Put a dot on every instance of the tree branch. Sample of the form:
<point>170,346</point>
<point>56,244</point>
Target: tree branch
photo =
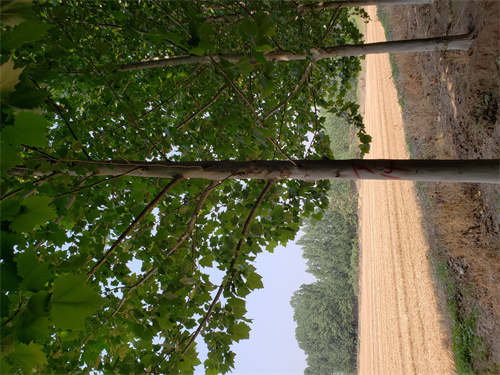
<point>131,227</point>
<point>202,109</point>
<point>58,109</point>
<point>194,217</point>
<point>294,91</point>
<point>96,183</point>
<point>252,108</point>
<point>233,263</point>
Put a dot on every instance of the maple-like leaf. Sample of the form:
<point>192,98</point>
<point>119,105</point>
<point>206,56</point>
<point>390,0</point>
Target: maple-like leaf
<point>9,77</point>
<point>73,301</point>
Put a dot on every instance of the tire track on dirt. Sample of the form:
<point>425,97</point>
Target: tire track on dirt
<point>400,330</point>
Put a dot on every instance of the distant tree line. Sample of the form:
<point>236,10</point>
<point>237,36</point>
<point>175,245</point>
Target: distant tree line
<point>326,311</point>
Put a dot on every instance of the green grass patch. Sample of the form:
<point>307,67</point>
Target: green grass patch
<point>466,345</point>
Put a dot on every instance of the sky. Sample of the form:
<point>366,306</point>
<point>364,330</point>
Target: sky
<point>272,348</point>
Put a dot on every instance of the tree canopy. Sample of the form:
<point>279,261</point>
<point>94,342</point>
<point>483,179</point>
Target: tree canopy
<point>112,273</point>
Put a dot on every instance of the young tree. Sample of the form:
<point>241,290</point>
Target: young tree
<point>110,273</point>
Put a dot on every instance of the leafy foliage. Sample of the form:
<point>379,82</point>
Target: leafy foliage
<point>112,274</point>
<point>326,310</point>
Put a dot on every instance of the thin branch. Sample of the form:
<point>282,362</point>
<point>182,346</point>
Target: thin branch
<point>39,182</point>
<point>21,305</point>
<point>194,217</point>
<point>8,195</point>
<point>129,289</point>
<point>165,101</point>
<point>202,109</point>
<point>172,18</point>
<point>292,93</point>
<point>131,227</point>
<point>95,183</point>
<point>59,110</point>
<point>252,108</point>
<point>233,263</point>
<point>316,123</point>
<point>34,149</point>
<point>332,21</point>
<point>184,204</point>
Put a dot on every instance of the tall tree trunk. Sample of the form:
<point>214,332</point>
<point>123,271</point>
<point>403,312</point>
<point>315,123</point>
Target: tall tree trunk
<point>445,43</point>
<point>306,170</point>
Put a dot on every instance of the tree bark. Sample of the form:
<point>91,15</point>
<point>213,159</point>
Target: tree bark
<point>445,43</point>
<point>306,170</point>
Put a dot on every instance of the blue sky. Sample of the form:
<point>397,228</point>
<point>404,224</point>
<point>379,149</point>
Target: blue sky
<point>272,348</point>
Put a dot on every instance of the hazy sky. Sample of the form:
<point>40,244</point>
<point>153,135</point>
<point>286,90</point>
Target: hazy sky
<point>272,348</point>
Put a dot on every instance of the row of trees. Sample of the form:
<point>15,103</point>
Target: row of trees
<point>326,311</point>
<point>70,234</point>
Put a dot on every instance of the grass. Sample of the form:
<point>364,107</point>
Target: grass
<point>466,345</point>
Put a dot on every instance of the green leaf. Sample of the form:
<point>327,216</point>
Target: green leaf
<point>27,31</point>
<point>197,51</point>
<point>15,12</point>
<point>29,357</point>
<point>35,274</point>
<point>241,331</point>
<point>9,208</point>
<point>35,211</point>
<point>260,137</point>
<point>254,281</point>
<point>245,66</point>
<point>29,129</point>
<point>5,368</point>
<point>27,97</point>
<point>9,158</point>
<point>263,48</point>
<point>9,77</point>
<point>73,301</point>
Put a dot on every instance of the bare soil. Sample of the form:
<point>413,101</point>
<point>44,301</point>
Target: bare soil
<point>451,110</point>
<point>400,325</point>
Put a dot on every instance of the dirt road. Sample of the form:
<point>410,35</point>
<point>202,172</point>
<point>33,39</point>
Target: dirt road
<point>400,329</point>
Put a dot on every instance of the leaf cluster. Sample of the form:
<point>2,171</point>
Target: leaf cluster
<point>94,275</point>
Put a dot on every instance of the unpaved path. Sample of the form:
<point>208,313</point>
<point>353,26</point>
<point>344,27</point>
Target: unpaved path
<point>400,323</point>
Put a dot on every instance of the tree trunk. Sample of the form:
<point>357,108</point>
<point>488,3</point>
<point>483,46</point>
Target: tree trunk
<point>445,43</point>
<point>306,170</point>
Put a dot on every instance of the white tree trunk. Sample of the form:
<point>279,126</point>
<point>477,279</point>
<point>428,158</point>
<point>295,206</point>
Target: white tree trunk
<point>306,170</point>
<point>445,43</point>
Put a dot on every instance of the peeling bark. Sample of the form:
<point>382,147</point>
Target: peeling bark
<point>306,170</point>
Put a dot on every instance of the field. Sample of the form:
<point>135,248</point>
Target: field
<point>400,325</point>
<point>449,105</point>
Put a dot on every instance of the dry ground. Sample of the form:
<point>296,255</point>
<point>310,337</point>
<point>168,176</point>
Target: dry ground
<point>400,325</point>
<point>451,110</point>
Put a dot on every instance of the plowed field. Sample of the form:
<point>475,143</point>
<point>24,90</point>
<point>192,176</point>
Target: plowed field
<point>400,323</point>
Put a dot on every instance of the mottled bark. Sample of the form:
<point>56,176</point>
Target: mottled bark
<point>306,170</point>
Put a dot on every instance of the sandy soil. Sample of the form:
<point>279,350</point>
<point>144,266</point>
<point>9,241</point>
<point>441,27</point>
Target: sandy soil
<point>400,324</point>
